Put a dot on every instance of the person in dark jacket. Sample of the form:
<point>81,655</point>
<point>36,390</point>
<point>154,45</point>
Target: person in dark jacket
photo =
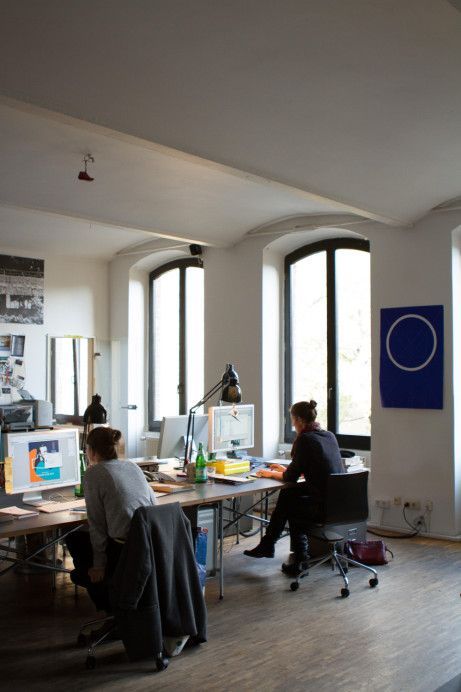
<point>156,590</point>
<point>315,455</point>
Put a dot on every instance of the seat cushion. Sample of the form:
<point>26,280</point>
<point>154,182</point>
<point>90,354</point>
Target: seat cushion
<point>323,533</point>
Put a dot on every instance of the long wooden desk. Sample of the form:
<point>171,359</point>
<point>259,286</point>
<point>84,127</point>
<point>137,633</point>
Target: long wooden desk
<point>61,523</point>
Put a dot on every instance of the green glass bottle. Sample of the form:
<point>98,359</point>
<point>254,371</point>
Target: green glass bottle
<point>79,488</point>
<point>201,471</point>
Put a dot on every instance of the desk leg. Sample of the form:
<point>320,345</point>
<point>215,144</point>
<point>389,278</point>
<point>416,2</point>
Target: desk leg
<point>261,510</point>
<point>237,524</point>
<point>221,549</point>
<point>53,553</point>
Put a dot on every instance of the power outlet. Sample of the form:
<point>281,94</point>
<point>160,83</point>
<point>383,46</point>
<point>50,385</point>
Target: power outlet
<point>412,504</point>
<point>383,504</point>
<point>420,523</point>
<point>397,501</point>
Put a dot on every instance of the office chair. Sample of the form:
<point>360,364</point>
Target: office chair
<point>156,594</point>
<point>346,502</point>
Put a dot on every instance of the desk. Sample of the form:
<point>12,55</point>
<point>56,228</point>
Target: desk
<point>62,523</point>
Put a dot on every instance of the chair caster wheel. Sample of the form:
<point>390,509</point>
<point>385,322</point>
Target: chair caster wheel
<point>294,586</point>
<point>373,582</point>
<point>161,663</point>
<point>90,662</point>
<point>344,593</point>
<point>81,640</point>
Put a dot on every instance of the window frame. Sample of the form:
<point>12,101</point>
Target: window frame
<point>360,442</point>
<point>182,265</point>
<point>74,418</point>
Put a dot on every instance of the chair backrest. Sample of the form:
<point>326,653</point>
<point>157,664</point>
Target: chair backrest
<point>346,498</point>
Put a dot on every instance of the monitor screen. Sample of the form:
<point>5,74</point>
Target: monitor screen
<point>231,427</point>
<point>173,431</point>
<point>43,460</point>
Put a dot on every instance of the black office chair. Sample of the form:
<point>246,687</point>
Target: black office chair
<point>346,503</point>
<point>150,611</point>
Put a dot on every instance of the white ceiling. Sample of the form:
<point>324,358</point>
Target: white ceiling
<point>22,230</point>
<point>357,102</point>
<point>137,185</point>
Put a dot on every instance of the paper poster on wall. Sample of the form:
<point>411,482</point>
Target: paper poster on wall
<point>21,289</point>
<point>411,363</point>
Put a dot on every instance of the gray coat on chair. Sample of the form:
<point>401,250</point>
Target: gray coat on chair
<point>156,590</point>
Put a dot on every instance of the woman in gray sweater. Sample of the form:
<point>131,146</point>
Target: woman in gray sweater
<point>113,490</point>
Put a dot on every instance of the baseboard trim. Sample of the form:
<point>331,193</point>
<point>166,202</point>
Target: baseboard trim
<point>423,534</point>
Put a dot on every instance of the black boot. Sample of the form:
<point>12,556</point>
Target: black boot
<point>296,564</point>
<point>264,549</point>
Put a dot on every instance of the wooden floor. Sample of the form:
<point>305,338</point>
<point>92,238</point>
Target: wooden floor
<point>405,635</point>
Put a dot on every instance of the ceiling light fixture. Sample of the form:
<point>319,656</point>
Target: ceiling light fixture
<point>83,175</point>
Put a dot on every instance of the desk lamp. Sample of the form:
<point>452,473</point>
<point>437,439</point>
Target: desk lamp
<point>230,393</point>
<point>95,414</point>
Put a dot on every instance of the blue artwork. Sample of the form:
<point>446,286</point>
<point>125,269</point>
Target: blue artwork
<point>411,366</point>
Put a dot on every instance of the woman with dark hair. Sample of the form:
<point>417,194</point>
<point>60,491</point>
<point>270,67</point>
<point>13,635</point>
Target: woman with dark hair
<point>113,491</point>
<point>315,455</point>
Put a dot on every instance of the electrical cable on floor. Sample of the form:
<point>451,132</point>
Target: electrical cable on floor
<point>416,531</point>
<point>394,535</point>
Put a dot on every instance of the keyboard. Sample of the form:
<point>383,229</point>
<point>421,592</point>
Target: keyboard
<point>61,506</point>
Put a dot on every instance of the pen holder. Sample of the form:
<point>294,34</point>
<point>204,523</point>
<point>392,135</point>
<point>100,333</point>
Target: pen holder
<point>190,470</point>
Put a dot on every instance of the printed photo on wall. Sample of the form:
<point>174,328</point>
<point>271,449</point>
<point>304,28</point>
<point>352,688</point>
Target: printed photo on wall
<point>5,346</point>
<point>21,289</point>
<point>411,363</point>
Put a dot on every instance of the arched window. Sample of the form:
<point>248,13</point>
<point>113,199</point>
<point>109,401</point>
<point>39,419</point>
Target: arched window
<point>176,339</point>
<point>327,336</point>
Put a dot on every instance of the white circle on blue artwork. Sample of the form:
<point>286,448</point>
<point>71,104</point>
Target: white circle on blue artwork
<point>426,362</point>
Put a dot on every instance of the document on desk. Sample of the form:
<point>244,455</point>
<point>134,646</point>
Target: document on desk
<point>232,480</point>
<point>282,462</point>
<point>19,513</point>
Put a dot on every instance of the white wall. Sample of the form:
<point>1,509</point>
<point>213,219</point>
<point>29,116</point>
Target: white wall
<point>415,453</point>
<point>412,453</point>
<point>233,320</point>
<point>129,301</point>
<point>76,302</point>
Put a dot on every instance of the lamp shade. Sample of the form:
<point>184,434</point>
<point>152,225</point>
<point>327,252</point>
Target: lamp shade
<point>231,391</point>
<point>95,412</point>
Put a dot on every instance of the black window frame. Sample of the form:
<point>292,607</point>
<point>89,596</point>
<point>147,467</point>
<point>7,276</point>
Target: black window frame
<point>182,265</point>
<point>360,442</point>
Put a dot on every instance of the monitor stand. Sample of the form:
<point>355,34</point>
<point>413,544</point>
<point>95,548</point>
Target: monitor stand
<point>33,498</point>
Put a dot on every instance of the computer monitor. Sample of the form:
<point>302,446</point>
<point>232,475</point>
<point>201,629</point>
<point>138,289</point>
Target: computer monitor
<point>42,460</point>
<point>173,431</point>
<point>231,427</point>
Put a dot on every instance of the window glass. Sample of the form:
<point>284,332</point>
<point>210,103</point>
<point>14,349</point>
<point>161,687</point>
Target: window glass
<point>165,306</point>
<point>82,375</point>
<point>328,354</point>
<point>176,340</point>
<point>194,335</point>
<point>308,332</point>
<point>353,341</point>
<point>64,384</point>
